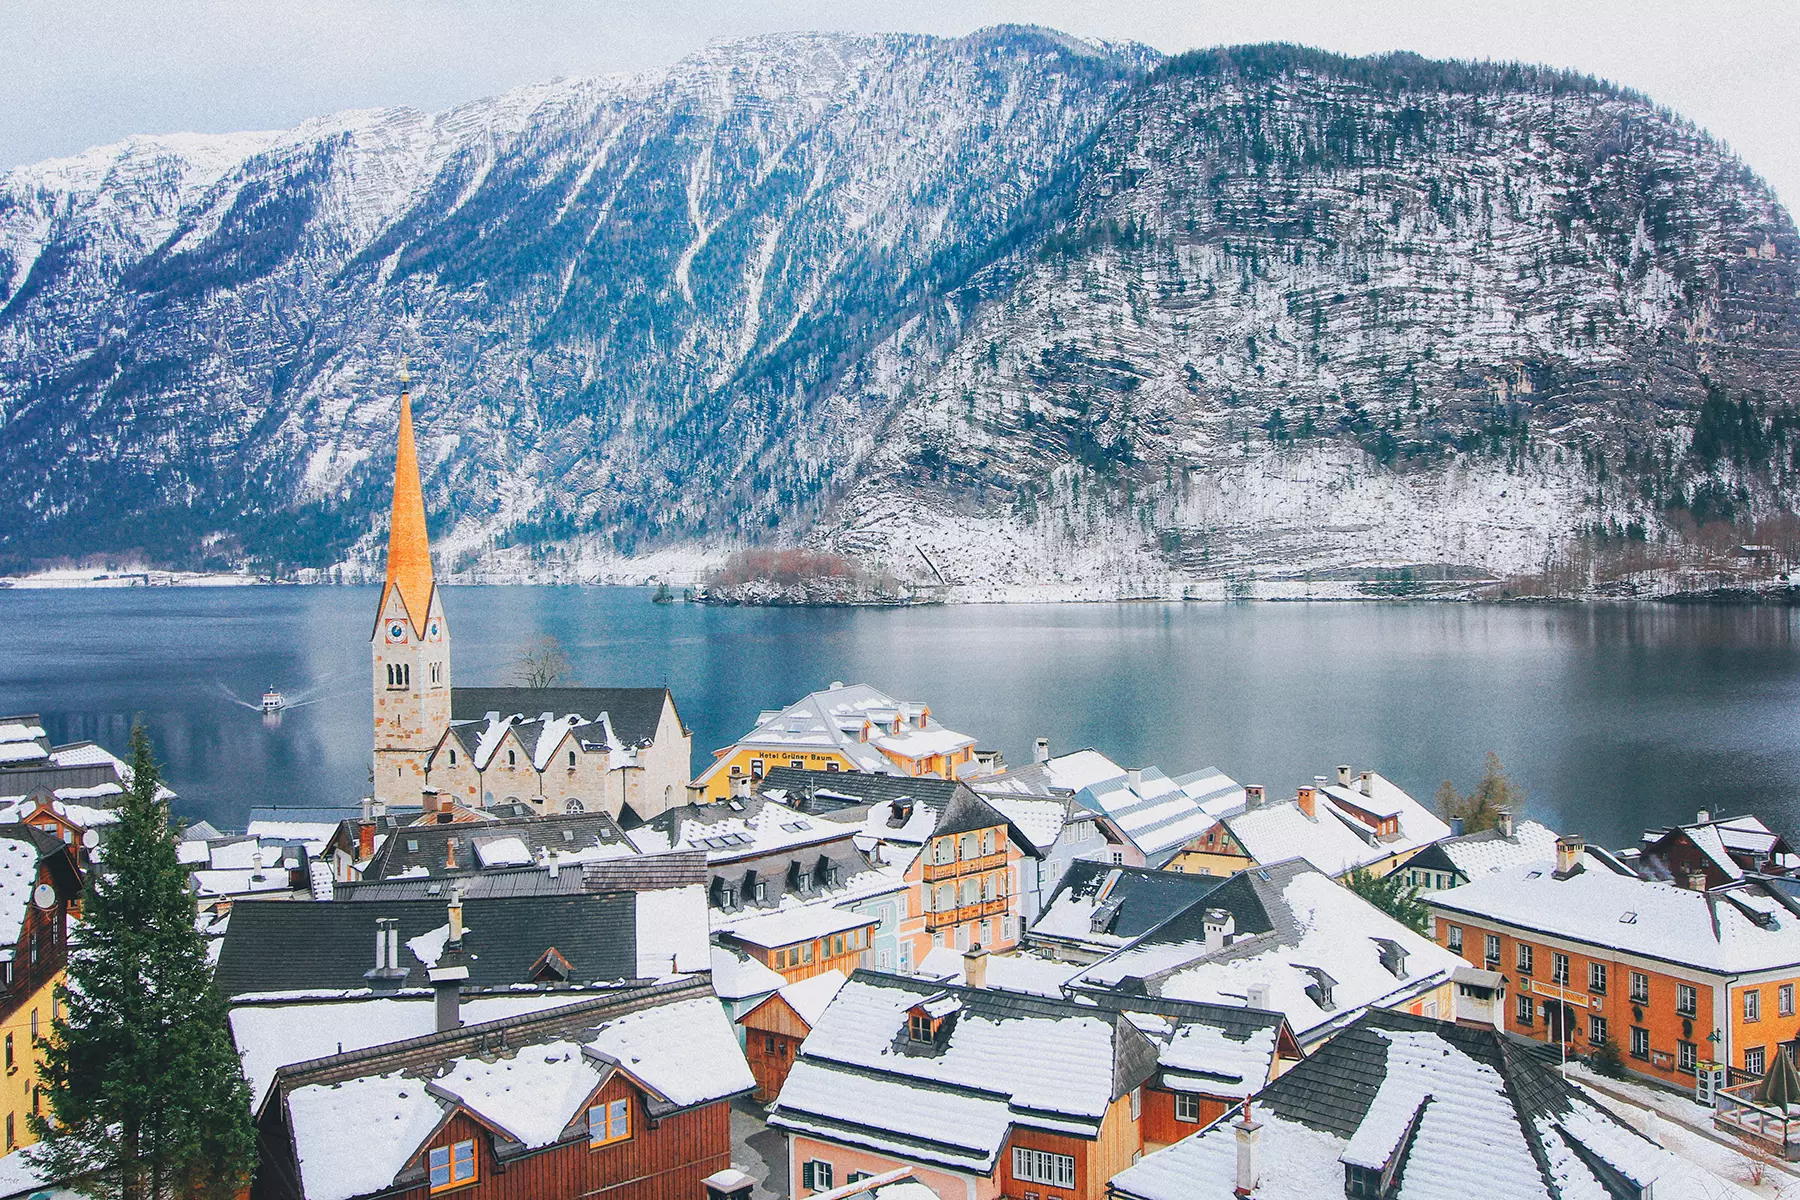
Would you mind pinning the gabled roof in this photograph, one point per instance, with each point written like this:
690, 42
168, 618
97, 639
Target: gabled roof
525, 1078
968, 812
1320, 951
999, 1059
25, 852
1479, 854
1748, 926
1333, 839
425, 849
282, 946
736, 829
823, 791
1103, 906
641, 873
1161, 815
1441, 1109
632, 713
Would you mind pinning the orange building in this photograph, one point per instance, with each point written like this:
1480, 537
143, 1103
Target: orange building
799, 943
964, 882
1677, 977
775, 1030
844, 728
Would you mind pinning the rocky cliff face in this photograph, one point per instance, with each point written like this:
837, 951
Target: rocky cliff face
1009, 312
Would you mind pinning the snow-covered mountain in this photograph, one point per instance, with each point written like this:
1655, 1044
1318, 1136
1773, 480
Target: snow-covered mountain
1013, 311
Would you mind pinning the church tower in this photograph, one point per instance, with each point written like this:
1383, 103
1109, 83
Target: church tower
411, 645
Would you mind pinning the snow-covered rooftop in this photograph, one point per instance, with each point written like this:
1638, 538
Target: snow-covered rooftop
1157, 813
1738, 928
787, 926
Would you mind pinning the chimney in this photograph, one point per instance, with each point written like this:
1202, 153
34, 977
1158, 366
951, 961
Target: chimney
456, 915
1306, 798
1344, 775
1503, 821
1041, 751
365, 841
1569, 850
450, 853
1134, 776
451, 971
740, 786
1702, 817
1257, 996
1456, 826
1248, 1134
387, 973
368, 808
1253, 795
1216, 927
1368, 783
1695, 881
975, 966
445, 816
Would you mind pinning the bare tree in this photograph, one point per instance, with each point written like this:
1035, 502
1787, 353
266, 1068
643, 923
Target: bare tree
542, 663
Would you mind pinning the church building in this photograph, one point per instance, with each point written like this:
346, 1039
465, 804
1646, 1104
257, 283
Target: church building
555, 749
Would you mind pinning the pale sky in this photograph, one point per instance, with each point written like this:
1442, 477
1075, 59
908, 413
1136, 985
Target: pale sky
76, 73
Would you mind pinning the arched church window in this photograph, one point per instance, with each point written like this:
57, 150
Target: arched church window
512, 759
571, 760
572, 805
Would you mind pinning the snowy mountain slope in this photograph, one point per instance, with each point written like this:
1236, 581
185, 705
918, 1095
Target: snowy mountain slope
1011, 310
1302, 314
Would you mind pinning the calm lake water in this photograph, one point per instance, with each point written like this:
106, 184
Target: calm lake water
1612, 717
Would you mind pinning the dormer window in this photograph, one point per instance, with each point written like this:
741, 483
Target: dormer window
927, 1021
1393, 958
920, 1028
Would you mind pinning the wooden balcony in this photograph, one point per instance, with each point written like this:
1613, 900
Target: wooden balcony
965, 866
965, 912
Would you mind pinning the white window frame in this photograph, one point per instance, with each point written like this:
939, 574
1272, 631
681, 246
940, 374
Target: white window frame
1640, 988
816, 1175
1043, 1166
1687, 1000
1187, 1108
1752, 1004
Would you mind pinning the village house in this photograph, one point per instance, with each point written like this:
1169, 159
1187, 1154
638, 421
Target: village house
626, 1095
442, 848
741, 982
1463, 857
900, 1073
1285, 938
1678, 977
1360, 822
850, 727
1400, 1105
1723, 850
772, 1032
39, 883
965, 879
84, 775
1099, 908
553, 749
612, 921
1160, 816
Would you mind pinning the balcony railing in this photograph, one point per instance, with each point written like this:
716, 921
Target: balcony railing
964, 866
965, 912
1762, 1123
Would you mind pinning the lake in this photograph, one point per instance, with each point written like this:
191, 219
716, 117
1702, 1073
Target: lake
1613, 717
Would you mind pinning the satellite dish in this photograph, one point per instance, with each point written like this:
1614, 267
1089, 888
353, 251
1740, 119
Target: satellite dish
90, 838
44, 896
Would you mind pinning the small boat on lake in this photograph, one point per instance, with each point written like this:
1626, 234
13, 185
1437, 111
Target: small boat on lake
272, 701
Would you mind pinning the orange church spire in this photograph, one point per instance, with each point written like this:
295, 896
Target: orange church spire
409, 550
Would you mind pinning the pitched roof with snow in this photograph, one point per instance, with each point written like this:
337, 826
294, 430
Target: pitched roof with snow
1738, 928
1438, 1109
999, 1059
1161, 815
734, 829
673, 1042
1334, 839
631, 714
1479, 854
852, 720
1321, 952
464, 847
1101, 907
810, 997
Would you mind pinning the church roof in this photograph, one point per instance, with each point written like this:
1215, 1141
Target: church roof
409, 549
634, 713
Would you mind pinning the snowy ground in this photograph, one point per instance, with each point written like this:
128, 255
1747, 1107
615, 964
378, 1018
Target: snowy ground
1686, 1129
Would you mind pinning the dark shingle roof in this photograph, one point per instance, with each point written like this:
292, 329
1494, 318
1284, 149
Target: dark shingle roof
801, 789
427, 847
635, 712
1147, 897
279, 946
967, 812
647, 873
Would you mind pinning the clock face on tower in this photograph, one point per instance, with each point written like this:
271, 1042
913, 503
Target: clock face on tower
396, 632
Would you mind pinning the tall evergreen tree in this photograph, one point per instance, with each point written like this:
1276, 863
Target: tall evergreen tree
146, 1093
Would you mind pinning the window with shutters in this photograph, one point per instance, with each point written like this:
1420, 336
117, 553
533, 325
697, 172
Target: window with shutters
816, 1176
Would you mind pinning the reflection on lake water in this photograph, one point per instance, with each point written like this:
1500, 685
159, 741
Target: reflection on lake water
1613, 718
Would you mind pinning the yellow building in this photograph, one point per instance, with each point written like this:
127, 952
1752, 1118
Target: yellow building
844, 728
42, 874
